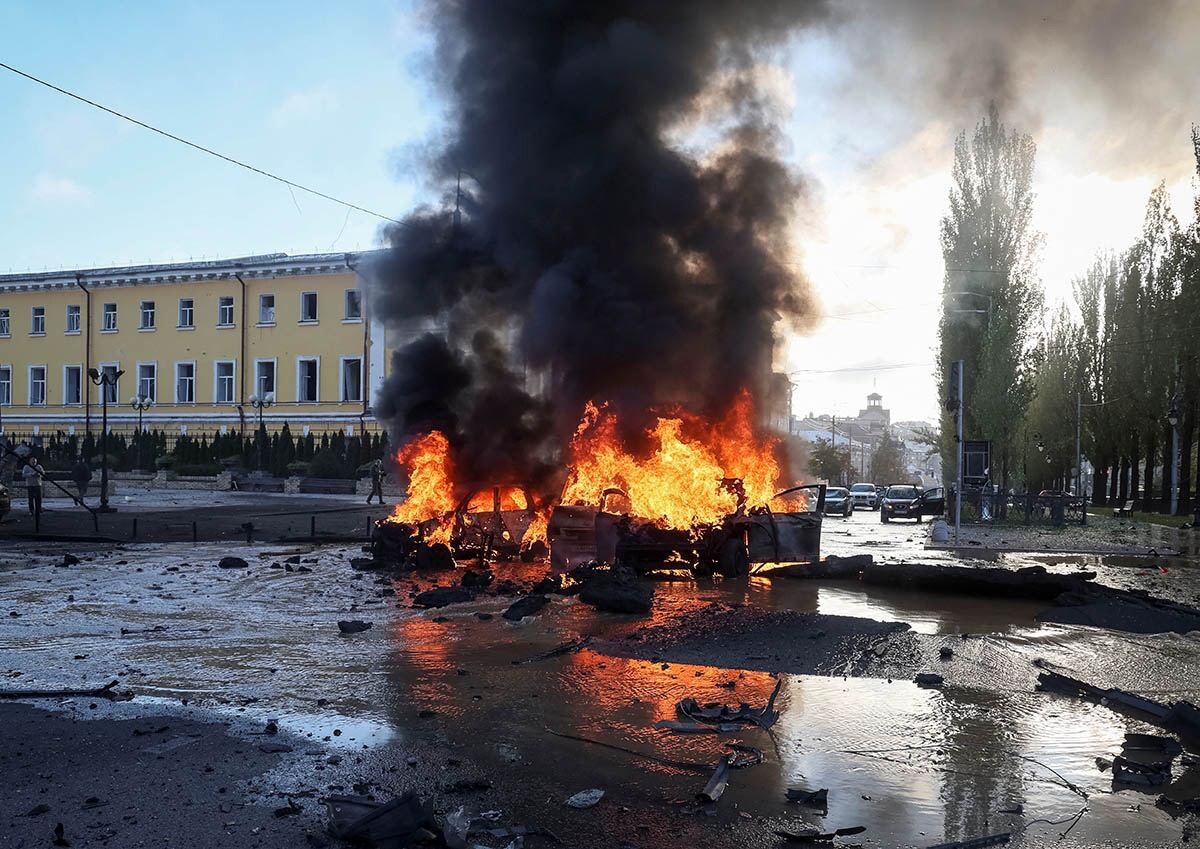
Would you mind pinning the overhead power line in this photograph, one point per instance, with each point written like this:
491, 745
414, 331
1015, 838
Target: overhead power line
860, 368
199, 147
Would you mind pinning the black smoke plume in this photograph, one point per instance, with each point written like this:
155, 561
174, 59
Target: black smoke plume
622, 230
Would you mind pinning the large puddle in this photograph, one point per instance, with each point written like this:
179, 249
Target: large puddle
914, 766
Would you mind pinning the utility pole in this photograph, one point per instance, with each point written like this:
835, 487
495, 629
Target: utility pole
833, 436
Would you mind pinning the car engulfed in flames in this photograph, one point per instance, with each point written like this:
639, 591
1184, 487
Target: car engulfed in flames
701, 496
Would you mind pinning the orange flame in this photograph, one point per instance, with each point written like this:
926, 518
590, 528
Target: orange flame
679, 482
430, 485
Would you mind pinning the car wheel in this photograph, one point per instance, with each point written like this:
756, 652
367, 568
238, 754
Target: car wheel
883, 517
918, 518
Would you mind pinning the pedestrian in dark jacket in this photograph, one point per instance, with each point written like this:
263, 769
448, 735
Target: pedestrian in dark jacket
376, 481
81, 473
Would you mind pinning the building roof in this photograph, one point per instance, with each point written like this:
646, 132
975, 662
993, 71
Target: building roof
262, 265
874, 396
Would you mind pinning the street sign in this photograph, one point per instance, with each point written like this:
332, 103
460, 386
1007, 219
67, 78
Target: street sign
976, 462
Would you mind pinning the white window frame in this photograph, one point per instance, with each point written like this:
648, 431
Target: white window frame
274, 361
67, 402
316, 309
342, 379
137, 376
191, 325
153, 314
263, 321
5, 322
7, 367
33, 317
45, 385
346, 317
105, 312
78, 313
114, 391
175, 394
232, 318
233, 376
302, 359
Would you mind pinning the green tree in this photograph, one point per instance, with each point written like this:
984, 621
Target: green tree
829, 462
990, 295
887, 461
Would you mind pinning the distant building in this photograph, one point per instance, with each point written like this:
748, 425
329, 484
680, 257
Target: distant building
874, 418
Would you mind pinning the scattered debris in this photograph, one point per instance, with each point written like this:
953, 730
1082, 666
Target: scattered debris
718, 714
530, 605
1126, 771
232, 563
403, 821
585, 798
477, 580
1152, 743
563, 648
288, 810
810, 835
353, 626
812, 798
105, 692
945, 652
1181, 717
929, 680
442, 596
59, 836
717, 782
616, 591
975, 842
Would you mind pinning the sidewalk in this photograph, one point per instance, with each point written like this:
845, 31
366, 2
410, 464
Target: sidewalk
1101, 535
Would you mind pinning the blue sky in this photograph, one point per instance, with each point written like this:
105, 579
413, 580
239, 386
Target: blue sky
329, 95
338, 96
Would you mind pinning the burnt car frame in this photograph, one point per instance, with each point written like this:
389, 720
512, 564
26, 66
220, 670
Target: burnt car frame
730, 547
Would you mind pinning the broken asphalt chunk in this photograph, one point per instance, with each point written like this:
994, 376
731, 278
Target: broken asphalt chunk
530, 605
442, 596
352, 626
232, 563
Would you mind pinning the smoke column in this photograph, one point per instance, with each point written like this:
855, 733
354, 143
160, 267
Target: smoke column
597, 238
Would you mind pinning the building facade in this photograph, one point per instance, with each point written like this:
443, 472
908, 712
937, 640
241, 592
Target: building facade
201, 341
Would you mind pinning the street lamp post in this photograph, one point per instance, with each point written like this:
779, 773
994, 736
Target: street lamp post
141, 404
104, 380
260, 403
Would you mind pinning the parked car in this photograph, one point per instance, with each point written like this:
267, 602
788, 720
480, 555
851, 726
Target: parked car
838, 500
865, 495
901, 501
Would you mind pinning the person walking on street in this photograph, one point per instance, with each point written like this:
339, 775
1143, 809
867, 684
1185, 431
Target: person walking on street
376, 481
81, 473
32, 472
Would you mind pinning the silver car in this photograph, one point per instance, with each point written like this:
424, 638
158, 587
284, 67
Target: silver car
865, 495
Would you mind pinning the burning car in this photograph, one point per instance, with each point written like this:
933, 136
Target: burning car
785, 530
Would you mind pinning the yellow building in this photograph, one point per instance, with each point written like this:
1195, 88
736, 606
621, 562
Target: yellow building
201, 340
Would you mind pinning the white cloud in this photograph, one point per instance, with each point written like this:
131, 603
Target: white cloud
300, 106
48, 188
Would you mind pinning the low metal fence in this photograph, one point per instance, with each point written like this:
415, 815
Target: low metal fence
983, 507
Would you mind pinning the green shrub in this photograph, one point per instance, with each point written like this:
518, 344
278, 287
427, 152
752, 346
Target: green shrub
298, 468
327, 464
165, 461
198, 470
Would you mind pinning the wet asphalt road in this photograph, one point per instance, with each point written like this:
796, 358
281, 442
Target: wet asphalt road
421, 703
